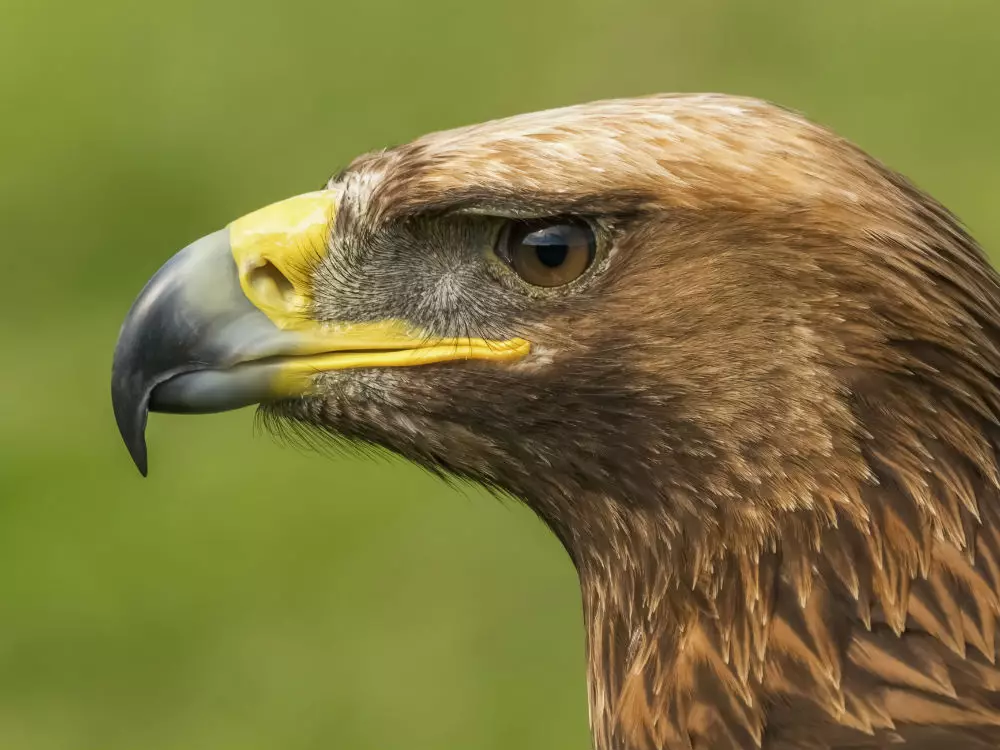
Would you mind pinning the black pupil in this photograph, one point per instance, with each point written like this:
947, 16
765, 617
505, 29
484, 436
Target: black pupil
551, 245
552, 255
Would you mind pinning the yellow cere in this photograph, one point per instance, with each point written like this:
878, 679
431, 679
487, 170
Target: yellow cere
274, 249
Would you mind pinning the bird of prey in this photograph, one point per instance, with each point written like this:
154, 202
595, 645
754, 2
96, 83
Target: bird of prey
747, 375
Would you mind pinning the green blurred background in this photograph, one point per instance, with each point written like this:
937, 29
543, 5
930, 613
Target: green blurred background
247, 595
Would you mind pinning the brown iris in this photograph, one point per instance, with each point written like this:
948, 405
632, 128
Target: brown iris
548, 252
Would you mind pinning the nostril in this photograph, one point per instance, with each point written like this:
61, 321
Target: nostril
271, 284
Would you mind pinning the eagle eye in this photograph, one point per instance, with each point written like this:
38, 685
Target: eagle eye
548, 252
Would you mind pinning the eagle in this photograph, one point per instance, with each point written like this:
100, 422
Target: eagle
748, 376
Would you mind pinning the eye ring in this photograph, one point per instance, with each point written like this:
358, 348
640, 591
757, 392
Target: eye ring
549, 252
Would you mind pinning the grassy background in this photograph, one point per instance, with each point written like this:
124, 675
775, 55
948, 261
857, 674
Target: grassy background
246, 595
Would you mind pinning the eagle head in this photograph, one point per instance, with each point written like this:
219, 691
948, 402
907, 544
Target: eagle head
746, 374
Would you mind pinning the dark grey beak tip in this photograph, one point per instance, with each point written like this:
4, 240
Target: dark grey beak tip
137, 449
135, 441
189, 317
131, 405
159, 333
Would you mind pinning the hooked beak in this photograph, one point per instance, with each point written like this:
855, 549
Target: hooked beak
226, 323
